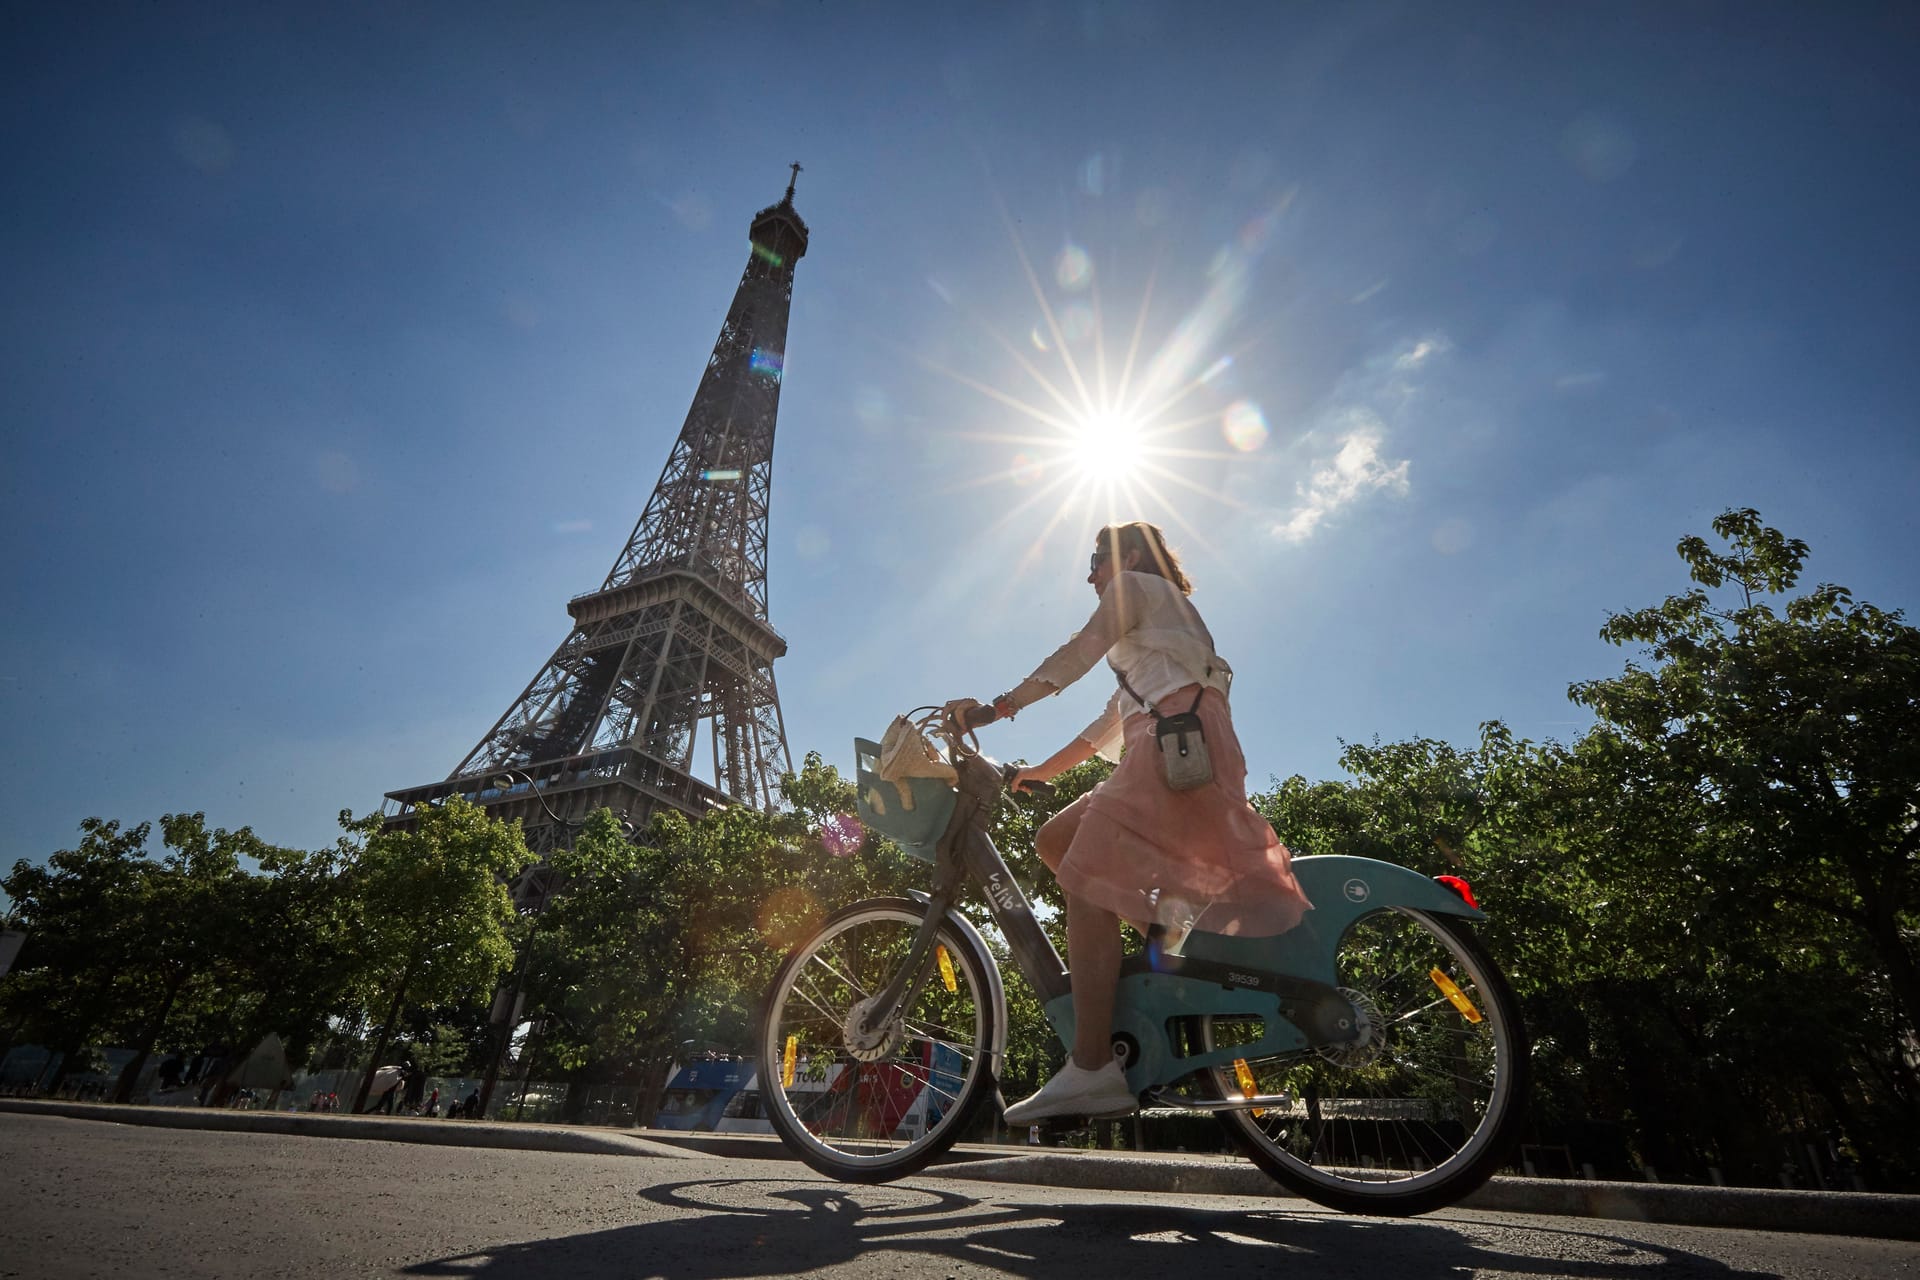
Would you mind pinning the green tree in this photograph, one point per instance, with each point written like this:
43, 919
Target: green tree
1768, 766
191, 917
434, 921
1693, 895
73, 982
649, 945
292, 970
1796, 733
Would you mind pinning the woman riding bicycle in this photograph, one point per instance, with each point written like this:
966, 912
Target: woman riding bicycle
1134, 848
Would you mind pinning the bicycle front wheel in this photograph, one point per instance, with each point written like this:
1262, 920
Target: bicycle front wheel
1421, 1108
879, 1105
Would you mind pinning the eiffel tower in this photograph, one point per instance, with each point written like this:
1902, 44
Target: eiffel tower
677, 635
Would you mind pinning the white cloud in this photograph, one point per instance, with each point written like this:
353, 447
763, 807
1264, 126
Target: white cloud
1421, 352
1352, 446
1357, 469
1369, 291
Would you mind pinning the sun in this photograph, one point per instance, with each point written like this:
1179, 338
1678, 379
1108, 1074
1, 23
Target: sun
1107, 446
1091, 430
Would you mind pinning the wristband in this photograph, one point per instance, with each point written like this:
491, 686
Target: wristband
1005, 706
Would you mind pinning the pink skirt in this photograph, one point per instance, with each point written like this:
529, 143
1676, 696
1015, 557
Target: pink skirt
1150, 854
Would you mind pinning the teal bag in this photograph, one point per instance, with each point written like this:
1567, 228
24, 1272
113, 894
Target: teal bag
884, 809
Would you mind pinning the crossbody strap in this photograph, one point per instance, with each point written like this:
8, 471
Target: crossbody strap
1152, 710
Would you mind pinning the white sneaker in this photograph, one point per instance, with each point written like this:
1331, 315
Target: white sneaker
1076, 1091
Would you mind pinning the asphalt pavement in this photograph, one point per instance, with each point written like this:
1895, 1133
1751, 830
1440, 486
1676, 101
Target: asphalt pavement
1879, 1216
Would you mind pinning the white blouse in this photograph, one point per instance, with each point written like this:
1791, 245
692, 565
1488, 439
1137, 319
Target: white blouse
1153, 634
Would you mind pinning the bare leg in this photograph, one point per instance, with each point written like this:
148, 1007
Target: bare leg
1093, 953
1055, 837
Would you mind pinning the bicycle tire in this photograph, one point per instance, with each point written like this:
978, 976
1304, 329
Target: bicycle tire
1422, 1110
845, 1115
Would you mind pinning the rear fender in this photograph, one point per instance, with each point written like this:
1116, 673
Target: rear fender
1342, 889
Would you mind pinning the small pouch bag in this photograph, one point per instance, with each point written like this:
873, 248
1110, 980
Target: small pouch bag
1182, 741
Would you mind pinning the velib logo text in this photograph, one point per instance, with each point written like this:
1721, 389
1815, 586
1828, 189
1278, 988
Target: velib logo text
1005, 894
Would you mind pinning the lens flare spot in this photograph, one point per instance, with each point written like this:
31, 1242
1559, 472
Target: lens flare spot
841, 835
1073, 268
1025, 470
767, 362
787, 917
1038, 339
1244, 426
1093, 175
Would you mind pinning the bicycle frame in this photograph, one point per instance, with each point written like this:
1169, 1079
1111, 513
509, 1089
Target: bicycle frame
1286, 982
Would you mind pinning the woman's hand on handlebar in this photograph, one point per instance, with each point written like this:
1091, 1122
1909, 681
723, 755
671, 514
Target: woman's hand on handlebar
1028, 782
969, 713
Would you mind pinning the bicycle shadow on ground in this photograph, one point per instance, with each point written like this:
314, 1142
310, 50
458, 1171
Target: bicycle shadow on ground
736, 1229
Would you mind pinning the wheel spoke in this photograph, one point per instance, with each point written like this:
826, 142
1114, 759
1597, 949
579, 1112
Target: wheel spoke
899, 1110
1417, 1011
1418, 1112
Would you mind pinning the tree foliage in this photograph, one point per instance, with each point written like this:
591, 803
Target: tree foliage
75, 981
669, 943
226, 938
434, 922
1707, 901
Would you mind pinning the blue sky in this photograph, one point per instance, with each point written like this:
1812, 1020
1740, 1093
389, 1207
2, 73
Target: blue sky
341, 345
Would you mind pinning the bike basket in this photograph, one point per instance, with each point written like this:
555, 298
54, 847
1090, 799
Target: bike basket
884, 808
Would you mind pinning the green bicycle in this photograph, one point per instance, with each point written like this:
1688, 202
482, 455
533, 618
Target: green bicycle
1372, 1058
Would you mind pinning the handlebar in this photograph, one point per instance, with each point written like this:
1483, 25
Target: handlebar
954, 728
1034, 785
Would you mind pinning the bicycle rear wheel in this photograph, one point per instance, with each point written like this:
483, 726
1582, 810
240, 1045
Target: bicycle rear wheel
869, 1110
1423, 1107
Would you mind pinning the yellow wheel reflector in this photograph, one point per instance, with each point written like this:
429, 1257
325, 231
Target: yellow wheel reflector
1455, 994
946, 970
786, 1062
1243, 1075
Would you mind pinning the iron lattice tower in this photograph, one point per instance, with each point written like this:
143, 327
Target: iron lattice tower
677, 635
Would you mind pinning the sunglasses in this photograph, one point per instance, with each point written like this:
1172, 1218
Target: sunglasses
1099, 558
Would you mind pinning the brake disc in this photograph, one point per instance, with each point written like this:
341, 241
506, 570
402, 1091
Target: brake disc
868, 1044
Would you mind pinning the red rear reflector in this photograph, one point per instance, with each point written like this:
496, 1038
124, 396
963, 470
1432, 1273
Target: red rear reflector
1460, 887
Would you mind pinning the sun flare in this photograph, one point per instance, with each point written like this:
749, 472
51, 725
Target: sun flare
1107, 446
1090, 431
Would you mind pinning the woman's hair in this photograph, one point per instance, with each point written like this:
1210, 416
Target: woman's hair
1156, 557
